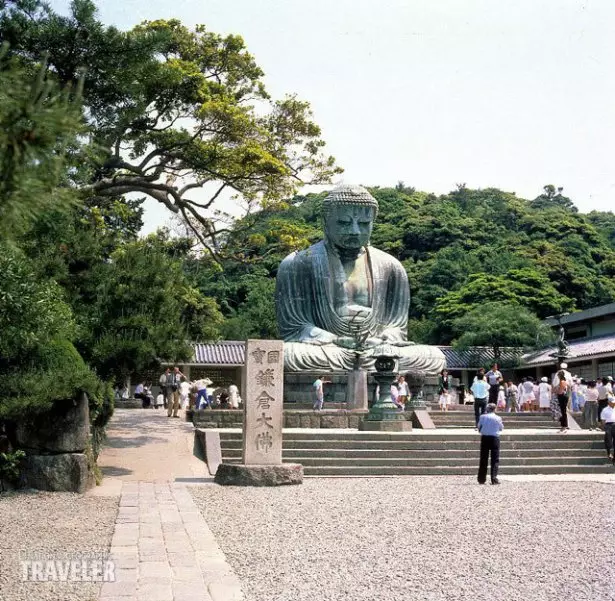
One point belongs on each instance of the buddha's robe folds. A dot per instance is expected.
(313, 310)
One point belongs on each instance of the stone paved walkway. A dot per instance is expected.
(162, 548)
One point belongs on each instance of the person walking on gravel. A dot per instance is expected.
(490, 426)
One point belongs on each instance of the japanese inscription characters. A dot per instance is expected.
(263, 418)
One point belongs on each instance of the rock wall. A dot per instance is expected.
(56, 445)
(293, 418)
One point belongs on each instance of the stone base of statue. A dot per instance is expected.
(356, 390)
(386, 425)
(233, 474)
(385, 415)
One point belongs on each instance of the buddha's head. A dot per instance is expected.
(348, 214)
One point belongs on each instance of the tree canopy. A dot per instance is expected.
(177, 114)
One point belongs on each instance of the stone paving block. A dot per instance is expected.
(152, 556)
(153, 518)
(118, 589)
(186, 560)
(190, 592)
(189, 574)
(155, 592)
(190, 517)
(124, 557)
(169, 527)
(179, 535)
(170, 517)
(154, 569)
(126, 528)
(152, 542)
(124, 540)
(125, 574)
(150, 531)
(127, 509)
(129, 501)
(220, 591)
(214, 570)
(129, 519)
(178, 547)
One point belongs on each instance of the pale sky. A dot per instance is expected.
(513, 95)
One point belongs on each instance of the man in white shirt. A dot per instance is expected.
(480, 390)
(608, 418)
(494, 377)
(319, 390)
(603, 393)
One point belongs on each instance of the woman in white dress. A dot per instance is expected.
(233, 396)
(544, 394)
(527, 394)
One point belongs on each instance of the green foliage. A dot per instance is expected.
(10, 467)
(172, 110)
(38, 124)
(500, 324)
(255, 317)
(146, 310)
(32, 310)
(53, 373)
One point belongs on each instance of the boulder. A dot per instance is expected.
(67, 472)
(259, 475)
(64, 429)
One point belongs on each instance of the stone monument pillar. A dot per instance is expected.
(263, 378)
(356, 390)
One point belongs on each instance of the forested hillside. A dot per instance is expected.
(460, 250)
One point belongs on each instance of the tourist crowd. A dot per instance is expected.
(177, 392)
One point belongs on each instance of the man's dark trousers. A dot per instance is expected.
(480, 406)
(494, 389)
(489, 444)
(609, 437)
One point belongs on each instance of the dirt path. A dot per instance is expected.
(146, 445)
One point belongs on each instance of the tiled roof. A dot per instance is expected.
(225, 352)
(232, 353)
(578, 349)
(479, 356)
(586, 315)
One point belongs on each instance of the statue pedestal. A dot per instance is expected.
(385, 416)
(356, 390)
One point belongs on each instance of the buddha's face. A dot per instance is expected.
(349, 226)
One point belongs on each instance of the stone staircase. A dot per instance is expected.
(353, 453)
(465, 419)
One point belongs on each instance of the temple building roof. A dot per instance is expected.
(593, 347)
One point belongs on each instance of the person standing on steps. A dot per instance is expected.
(563, 394)
(490, 426)
(480, 390)
(494, 377)
(608, 418)
(319, 391)
(174, 379)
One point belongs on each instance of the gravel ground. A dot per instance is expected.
(53, 524)
(429, 539)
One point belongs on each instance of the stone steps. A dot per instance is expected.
(440, 454)
(354, 453)
(465, 419)
(456, 470)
